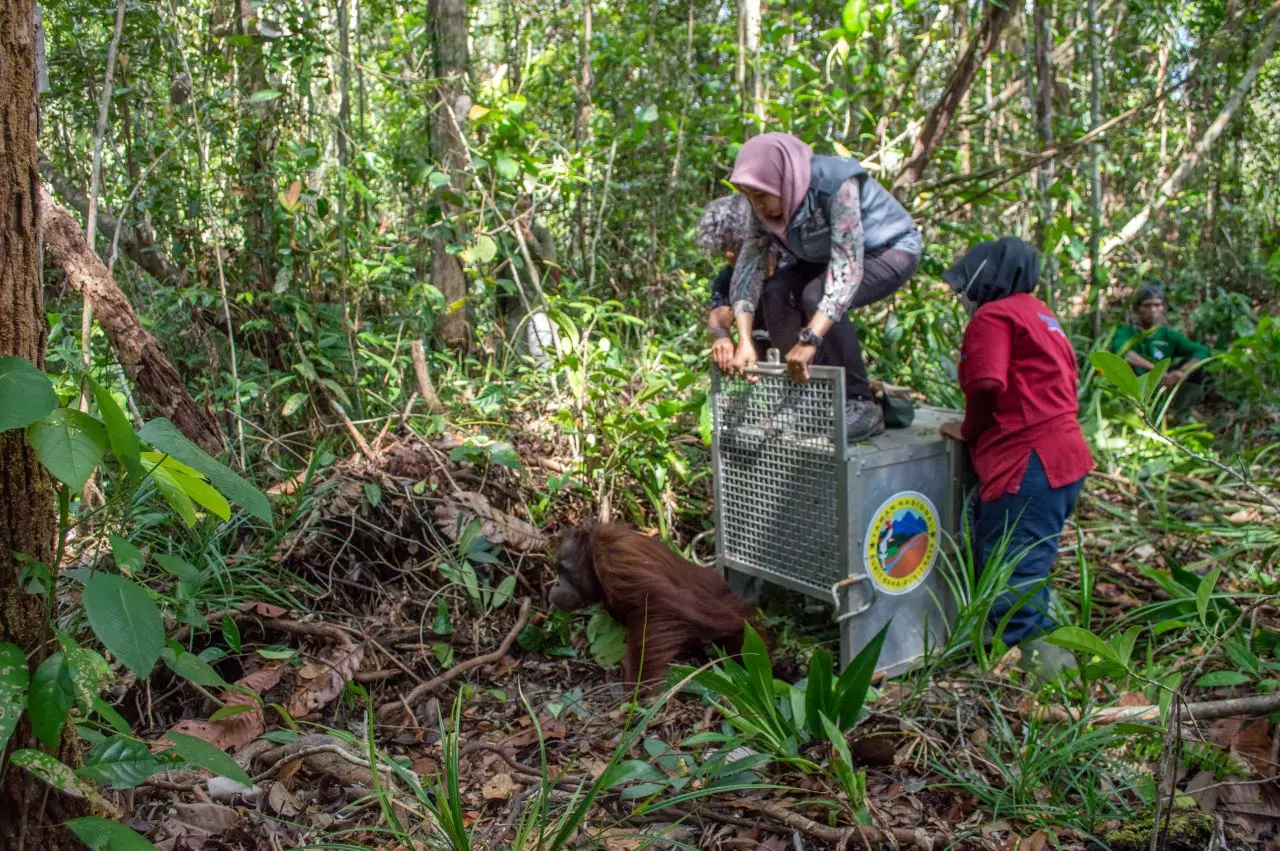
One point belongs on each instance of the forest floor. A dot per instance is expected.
(398, 617)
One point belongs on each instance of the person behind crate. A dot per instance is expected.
(1017, 371)
(1151, 341)
(724, 224)
(859, 243)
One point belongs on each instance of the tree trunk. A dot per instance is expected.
(26, 494)
(95, 185)
(582, 134)
(449, 54)
(1095, 166)
(753, 95)
(935, 126)
(137, 241)
(257, 145)
(344, 131)
(1042, 21)
(139, 354)
(1171, 187)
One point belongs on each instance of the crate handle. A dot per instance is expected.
(849, 582)
(772, 365)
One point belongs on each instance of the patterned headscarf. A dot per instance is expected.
(724, 225)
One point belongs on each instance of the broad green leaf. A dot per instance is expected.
(203, 494)
(25, 394)
(231, 710)
(1123, 644)
(173, 493)
(120, 436)
(485, 249)
(102, 834)
(1118, 372)
(108, 713)
(275, 653)
(51, 695)
(293, 403)
(650, 114)
(191, 667)
(1171, 684)
(231, 633)
(263, 96)
(120, 762)
(1204, 592)
(58, 775)
(1150, 380)
(817, 691)
(629, 771)
(126, 621)
(187, 573)
(128, 557)
(373, 493)
(88, 671)
(506, 588)
(1219, 679)
(161, 434)
(506, 166)
(504, 454)
(14, 679)
(200, 753)
(606, 638)
(854, 18)
(191, 482)
(851, 690)
(1082, 641)
(69, 444)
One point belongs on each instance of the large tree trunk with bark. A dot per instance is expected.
(257, 145)
(449, 53)
(144, 363)
(29, 812)
(138, 242)
(935, 126)
(1171, 187)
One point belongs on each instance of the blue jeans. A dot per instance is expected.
(1035, 516)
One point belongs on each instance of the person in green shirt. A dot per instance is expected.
(1151, 341)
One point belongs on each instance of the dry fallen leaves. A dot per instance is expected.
(499, 787)
(499, 527)
(320, 682)
(236, 731)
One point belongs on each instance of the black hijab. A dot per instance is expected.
(995, 270)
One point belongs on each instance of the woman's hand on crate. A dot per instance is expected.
(953, 430)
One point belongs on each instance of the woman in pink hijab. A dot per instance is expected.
(862, 246)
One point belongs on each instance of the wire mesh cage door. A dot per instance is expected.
(779, 455)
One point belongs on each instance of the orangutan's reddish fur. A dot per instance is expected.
(667, 603)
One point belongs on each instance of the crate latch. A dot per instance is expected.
(849, 583)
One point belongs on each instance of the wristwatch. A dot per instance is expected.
(809, 338)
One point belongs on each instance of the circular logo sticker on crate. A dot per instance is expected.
(902, 542)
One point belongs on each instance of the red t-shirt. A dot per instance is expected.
(1018, 345)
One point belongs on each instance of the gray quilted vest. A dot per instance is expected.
(884, 220)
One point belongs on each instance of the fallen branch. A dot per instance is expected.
(425, 387)
(1208, 710)
(839, 836)
(565, 782)
(139, 354)
(139, 243)
(387, 710)
(363, 445)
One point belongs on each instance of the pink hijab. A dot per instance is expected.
(776, 163)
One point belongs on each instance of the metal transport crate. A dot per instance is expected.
(868, 526)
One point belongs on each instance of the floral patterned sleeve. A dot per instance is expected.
(844, 271)
(748, 272)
